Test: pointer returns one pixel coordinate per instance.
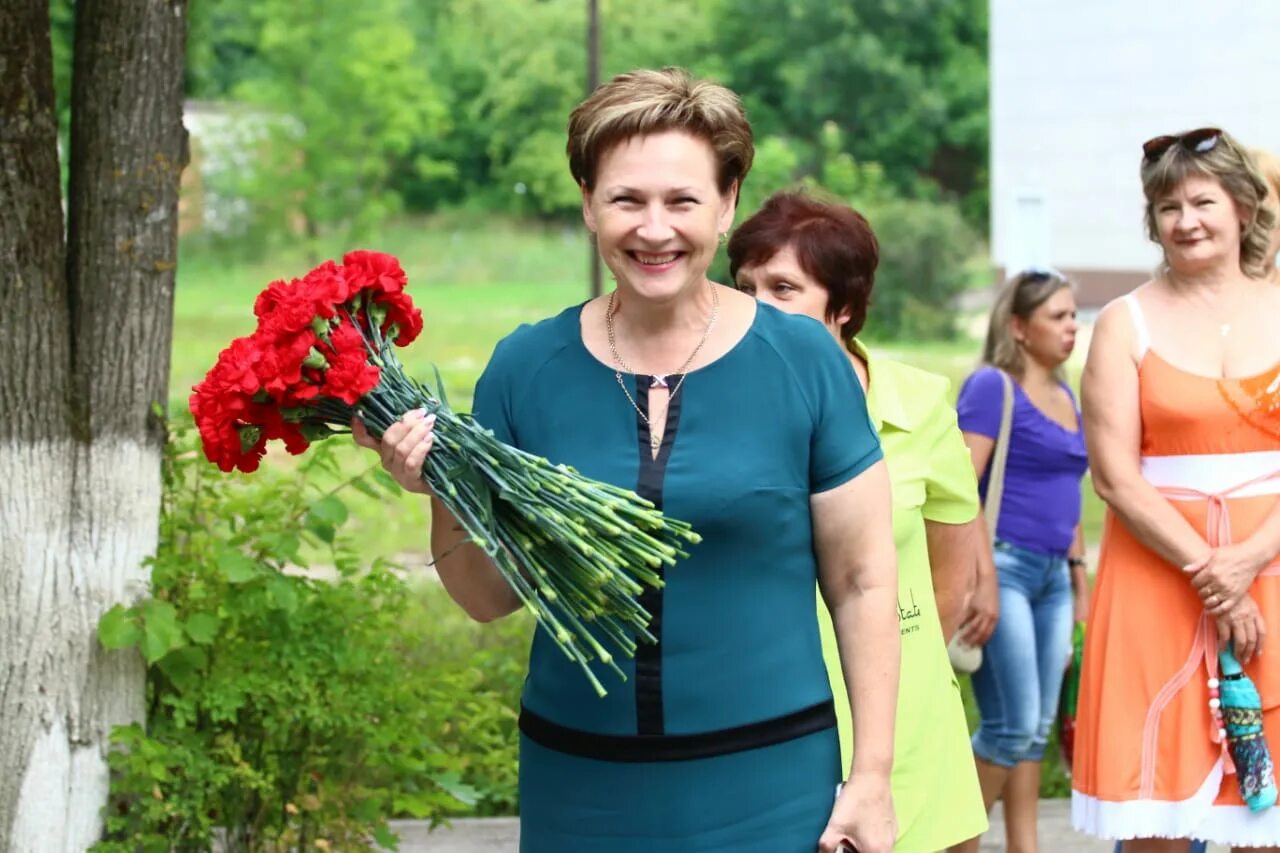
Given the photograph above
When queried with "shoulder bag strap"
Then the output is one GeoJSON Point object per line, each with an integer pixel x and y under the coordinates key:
{"type": "Point", "coordinates": [999, 456]}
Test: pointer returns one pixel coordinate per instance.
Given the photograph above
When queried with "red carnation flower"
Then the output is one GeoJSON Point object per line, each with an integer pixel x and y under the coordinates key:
{"type": "Point", "coordinates": [276, 292]}
{"type": "Point", "coordinates": [349, 375]}
{"type": "Point", "coordinates": [404, 316]}
{"type": "Point", "coordinates": [310, 357]}
{"type": "Point", "coordinates": [375, 271]}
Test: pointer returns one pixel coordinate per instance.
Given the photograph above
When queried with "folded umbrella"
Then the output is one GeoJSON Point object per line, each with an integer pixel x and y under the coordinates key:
{"type": "Point", "coordinates": [1241, 709]}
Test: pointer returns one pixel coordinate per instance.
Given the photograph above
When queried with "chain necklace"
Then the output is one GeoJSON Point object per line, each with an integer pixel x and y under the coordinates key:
{"type": "Point", "coordinates": [659, 380]}
{"type": "Point", "coordinates": [1185, 292]}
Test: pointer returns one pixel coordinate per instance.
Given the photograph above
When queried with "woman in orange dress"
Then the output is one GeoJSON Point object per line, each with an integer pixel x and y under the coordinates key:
{"type": "Point", "coordinates": [1181, 398]}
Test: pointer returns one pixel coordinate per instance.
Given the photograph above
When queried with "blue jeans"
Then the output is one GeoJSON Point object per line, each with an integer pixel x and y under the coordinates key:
{"type": "Point", "coordinates": [1018, 683]}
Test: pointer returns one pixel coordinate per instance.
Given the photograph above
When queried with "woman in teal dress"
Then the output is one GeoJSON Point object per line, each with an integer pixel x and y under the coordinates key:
{"type": "Point", "coordinates": [746, 422]}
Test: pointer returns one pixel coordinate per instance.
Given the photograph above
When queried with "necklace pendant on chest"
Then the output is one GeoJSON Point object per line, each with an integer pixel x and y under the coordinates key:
{"type": "Point", "coordinates": [655, 441]}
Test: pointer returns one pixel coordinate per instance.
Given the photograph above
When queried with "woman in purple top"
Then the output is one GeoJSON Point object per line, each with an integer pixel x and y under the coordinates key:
{"type": "Point", "coordinates": [1038, 554]}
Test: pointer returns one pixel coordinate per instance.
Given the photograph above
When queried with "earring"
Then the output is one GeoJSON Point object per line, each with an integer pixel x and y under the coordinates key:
{"type": "Point", "coordinates": [724, 237]}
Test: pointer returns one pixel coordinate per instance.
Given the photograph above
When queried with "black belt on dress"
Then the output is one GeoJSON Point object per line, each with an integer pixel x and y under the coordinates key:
{"type": "Point", "coordinates": [637, 748]}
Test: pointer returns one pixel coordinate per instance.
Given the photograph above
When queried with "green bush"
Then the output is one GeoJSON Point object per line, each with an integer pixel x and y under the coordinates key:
{"type": "Point", "coordinates": [925, 246]}
{"type": "Point", "coordinates": [296, 697]}
{"type": "Point", "coordinates": [925, 250]}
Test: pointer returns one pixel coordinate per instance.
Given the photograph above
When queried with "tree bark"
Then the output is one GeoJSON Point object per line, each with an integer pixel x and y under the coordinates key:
{"type": "Point", "coordinates": [84, 362]}
{"type": "Point", "coordinates": [128, 149]}
{"type": "Point", "coordinates": [35, 371]}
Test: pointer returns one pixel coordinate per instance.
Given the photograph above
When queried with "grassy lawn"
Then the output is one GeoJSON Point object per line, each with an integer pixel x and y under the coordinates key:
{"type": "Point", "coordinates": [473, 288]}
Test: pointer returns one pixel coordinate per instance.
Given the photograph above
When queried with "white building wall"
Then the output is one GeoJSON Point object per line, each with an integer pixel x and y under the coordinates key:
{"type": "Point", "coordinates": [1078, 85]}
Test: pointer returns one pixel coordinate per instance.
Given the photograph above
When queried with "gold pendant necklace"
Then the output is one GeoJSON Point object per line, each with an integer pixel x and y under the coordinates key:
{"type": "Point", "coordinates": [659, 380]}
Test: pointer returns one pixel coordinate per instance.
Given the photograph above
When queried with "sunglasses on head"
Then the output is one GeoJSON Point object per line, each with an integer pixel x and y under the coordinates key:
{"type": "Point", "coordinates": [1035, 275]}
{"type": "Point", "coordinates": [1198, 141]}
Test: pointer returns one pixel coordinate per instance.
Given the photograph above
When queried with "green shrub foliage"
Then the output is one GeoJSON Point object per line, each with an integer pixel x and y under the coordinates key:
{"type": "Point", "coordinates": [297, 696]}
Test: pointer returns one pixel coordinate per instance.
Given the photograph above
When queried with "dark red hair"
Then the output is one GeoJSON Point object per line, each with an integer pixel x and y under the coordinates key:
{"type": "Point", "coordinates": [833, 244]}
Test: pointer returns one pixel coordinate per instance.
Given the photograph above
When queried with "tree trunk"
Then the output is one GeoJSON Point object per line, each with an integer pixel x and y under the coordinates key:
{"type": "Point", "coordinates": [84, 362]}
{"type": "Point", "coordinates": [35, 371]}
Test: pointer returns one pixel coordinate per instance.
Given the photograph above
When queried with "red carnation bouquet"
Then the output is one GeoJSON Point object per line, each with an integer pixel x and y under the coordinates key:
{"type": "Point", "coordinates": [576, 551]}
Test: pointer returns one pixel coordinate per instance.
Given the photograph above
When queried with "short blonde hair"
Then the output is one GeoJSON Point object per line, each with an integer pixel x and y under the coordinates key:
{"type": "Point", "coordinates": [644, 102]}
{"type": "Point", "coordinates": [1229, 164]}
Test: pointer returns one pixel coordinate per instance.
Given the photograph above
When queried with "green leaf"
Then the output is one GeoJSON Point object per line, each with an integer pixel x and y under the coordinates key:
{"type": "Point", "coordinates": [236, 567]}
{"type": "Point", "coordinates": [347, 564]}
{"type": "Point", "coordinates": [281, 590]}
{"type": "Point", "coordinates": [161, 632]}
{"type": "Point", "coordinates": [118, 629]}
{"type": "Point", "coordinates": [444, 398]}
{"type": "Point", "coordinates": [329, 509]}
{"type": "Point", "coordinates": [282, 545]}
{"type": "Point", "coordinates": [322, 529]}
{"type": "Point", "coordinates": [183, 666]}
{"type": "Point", "coordinates": [387, 481]}
{"type": "Point", "coordinates": [366, 488]}
{"type": "Point", "coordinates": [386, 838]}
{"type": "Point", "coordinates": [458, 789]}
{"type": "Point", "coordinates": [202, 628]}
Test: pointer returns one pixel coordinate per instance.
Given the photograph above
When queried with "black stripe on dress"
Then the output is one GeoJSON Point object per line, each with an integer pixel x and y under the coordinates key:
{"type": "Point", "coordinates": [638, 748]}
{"type": "Point", "coordinates": [649, 711]}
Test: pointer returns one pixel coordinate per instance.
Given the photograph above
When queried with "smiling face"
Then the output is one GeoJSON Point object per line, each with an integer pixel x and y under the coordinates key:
{"type": "Point", "coordinates": [781, 282]}
{"type": "Point", "coordinates": [1199, 226]}
{"type": "Point", "coordinates": [657, 213]}
{"type": "Point", "coordinates": [1049, 334]}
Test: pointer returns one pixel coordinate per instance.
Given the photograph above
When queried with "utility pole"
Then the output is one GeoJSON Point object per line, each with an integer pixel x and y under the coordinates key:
{"type": "Point", "coordinates": [593, 80]}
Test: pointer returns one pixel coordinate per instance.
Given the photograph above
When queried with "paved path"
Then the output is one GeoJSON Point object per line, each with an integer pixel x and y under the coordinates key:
{"type": "Point", "coordinates": [501, 834]}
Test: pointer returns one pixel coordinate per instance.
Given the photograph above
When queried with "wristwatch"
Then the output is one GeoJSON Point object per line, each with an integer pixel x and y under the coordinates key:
{"type": "Point", "coordinates": [1074, 562]}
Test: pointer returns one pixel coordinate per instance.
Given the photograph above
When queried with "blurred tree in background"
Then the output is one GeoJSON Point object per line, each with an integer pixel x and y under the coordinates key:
{"type": "Point", "coordinates": [463, 103]}
{"type": "Point", "coordinates": [336, 98]}
{"type": "Point", "coordinates": [336, 116]}
{"type": "Point", "coordinates": [512, 71]}
{"type": "Point", "coordinates": [906, 81]}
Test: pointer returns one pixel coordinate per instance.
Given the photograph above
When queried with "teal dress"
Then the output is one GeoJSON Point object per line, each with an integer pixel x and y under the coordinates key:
{"type": "Point", "coordinates": [723, 737]}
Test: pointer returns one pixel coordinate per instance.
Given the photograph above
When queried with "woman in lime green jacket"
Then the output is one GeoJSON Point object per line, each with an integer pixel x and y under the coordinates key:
{"type": "Point", "coordinates": [809, 257]}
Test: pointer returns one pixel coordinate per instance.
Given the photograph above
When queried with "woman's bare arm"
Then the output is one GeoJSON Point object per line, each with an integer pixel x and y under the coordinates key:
{"type": "Point", "coordinates": [858, 577]}
{"type": "Point", "coordinates": [953, 567]}
{"type": "Point", "coordinates": [1113, 431]}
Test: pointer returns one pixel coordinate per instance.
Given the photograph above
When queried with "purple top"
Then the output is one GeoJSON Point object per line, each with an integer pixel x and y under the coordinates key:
{"type": "Point", "coordinates": [1041, 504]}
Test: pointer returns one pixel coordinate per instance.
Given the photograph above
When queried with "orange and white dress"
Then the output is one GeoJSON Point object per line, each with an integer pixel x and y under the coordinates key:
{"type": "Point", "coordinates": [1150, 760]}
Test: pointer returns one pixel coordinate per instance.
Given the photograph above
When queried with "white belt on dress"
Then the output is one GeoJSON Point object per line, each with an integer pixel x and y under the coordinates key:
{"type": "Point", "coordinates": [1233, 474]}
